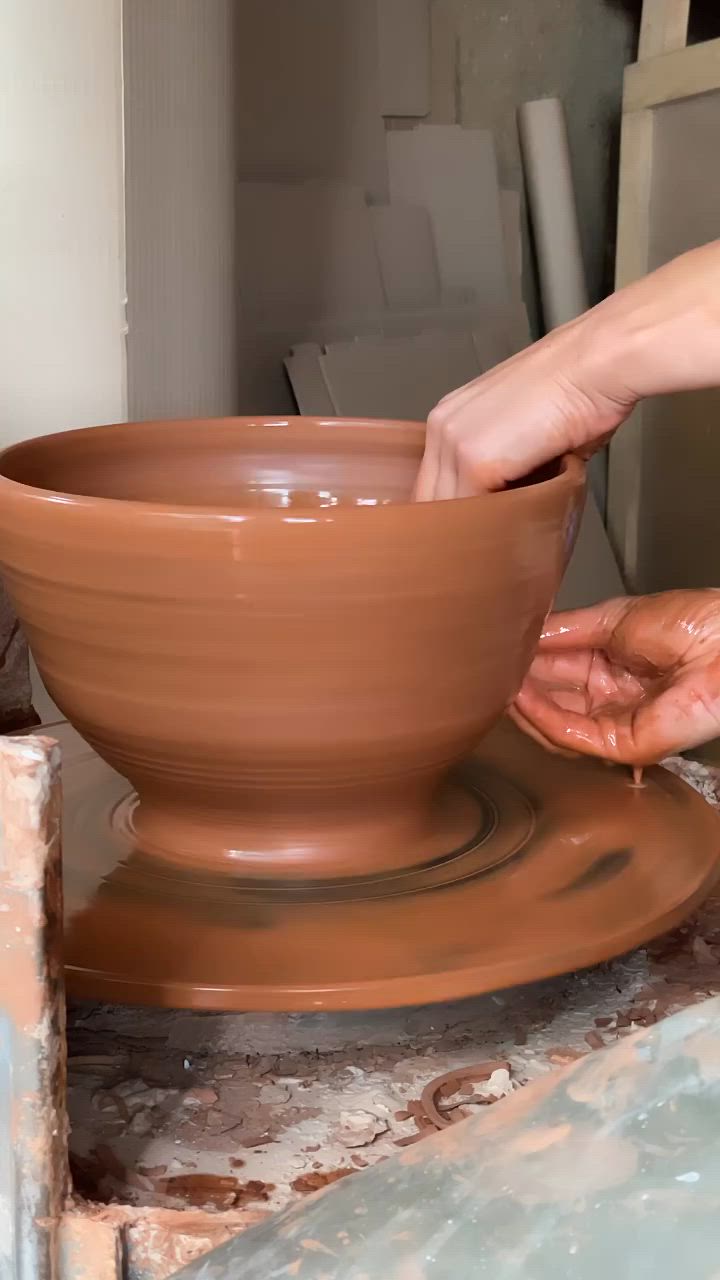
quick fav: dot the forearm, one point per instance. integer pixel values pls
(658, 335)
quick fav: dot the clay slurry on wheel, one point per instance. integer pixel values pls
(605, 867)
(555, 892)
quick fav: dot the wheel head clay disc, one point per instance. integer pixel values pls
(574, 864)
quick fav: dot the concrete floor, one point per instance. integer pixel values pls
(186, 1094)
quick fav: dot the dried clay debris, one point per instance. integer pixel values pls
(445, 1099)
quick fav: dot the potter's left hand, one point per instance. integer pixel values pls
(631, 680)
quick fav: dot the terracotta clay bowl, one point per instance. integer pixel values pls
(286, 657)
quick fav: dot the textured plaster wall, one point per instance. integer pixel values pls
(489, 55)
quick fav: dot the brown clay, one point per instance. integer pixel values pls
(252, 623)
(575, 865)
(288, 661)
(451, 1080)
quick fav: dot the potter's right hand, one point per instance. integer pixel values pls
(571, 390)
(631, 680)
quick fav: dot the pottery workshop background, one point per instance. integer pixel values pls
(142, 142)
(63, 214)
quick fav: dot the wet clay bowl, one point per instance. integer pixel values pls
(252, 622)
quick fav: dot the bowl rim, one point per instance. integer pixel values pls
(570, 474)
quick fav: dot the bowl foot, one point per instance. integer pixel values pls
(369, 834)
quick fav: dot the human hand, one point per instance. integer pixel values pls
(571, 390)
(631, 680)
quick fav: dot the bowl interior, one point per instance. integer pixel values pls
(231, 463)
(235, 463)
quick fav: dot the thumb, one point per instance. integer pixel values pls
(590, 628)
(685, 715)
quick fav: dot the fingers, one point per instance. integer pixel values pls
(531, 731)
(440, 471)
(570, 668)
(590, 628)
(571, 730)
(646, 731)
(437, 477)
(447, 477)
(426, 481)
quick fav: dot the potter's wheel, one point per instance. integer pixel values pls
(572, 865)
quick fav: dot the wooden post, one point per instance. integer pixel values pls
(663, 27)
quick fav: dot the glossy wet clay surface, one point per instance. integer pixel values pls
(289, 662)
(284, 655)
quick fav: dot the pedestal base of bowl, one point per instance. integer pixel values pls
(278, 841)
(574, 865)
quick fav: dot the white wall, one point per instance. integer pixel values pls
(62, 273)
(180, 147)
(62, 251)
